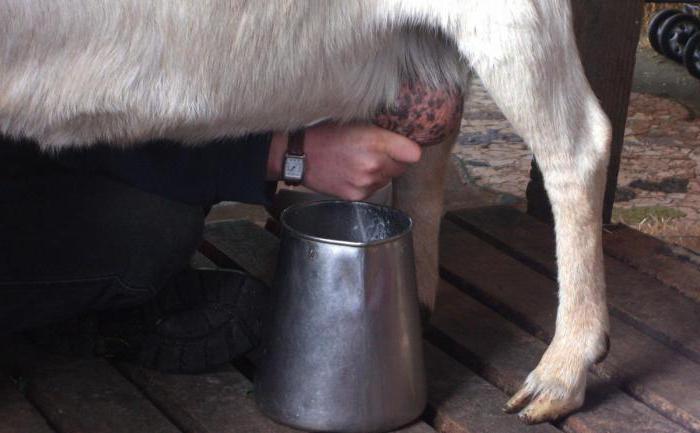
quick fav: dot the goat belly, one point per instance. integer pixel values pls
(424, 114)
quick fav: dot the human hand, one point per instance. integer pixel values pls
(349, 161)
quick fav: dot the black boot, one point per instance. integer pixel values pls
(201, 320)
(204, 318)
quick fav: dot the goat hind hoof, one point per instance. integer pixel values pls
(542, 401)
(535, 409)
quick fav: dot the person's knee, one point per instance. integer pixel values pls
(161, 246)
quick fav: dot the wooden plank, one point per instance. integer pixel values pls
(86, 395)
(645, 368)
(462, 402)
(639, 300)
(199, 261)
(253, 248)
(607, 33)
(459, 400)
(17, 415)
(674, 266)
(220, 402)
(504, 354)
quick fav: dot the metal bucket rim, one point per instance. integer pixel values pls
(287, 228)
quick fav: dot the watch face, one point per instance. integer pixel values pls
(293, 168)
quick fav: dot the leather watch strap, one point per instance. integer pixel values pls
(295, 144)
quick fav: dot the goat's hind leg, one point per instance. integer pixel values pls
(420, 193)
(527, 58)
(431, 117)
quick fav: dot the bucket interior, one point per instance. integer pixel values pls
(346, 222)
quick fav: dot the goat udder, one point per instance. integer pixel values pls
(426, 115)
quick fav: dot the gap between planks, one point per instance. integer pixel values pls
(672, 265)
(637, 299)
(18, 415)
(643, 367)
(84, 394)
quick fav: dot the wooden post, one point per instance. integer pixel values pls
(607, 33)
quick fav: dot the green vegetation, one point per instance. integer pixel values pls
(637, 215)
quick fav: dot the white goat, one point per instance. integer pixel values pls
(73, 72)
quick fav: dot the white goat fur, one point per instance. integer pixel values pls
(74, 72)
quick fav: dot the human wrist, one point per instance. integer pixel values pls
(278, 146)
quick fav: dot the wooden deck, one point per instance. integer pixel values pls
(495, 313)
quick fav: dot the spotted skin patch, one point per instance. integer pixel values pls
(425, 115)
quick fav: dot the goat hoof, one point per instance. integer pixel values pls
(554, 389)
(538, 406)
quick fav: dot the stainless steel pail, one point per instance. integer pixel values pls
(342, 346)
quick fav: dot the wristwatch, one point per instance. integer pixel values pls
(293, 166)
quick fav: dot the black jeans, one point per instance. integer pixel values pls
(72, 242)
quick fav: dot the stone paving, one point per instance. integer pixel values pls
(660, 162)
(489, 154)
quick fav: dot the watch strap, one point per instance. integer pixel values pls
(295, 143)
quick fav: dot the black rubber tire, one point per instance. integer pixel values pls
(691, 55)
(674, 34)
(655, 23)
